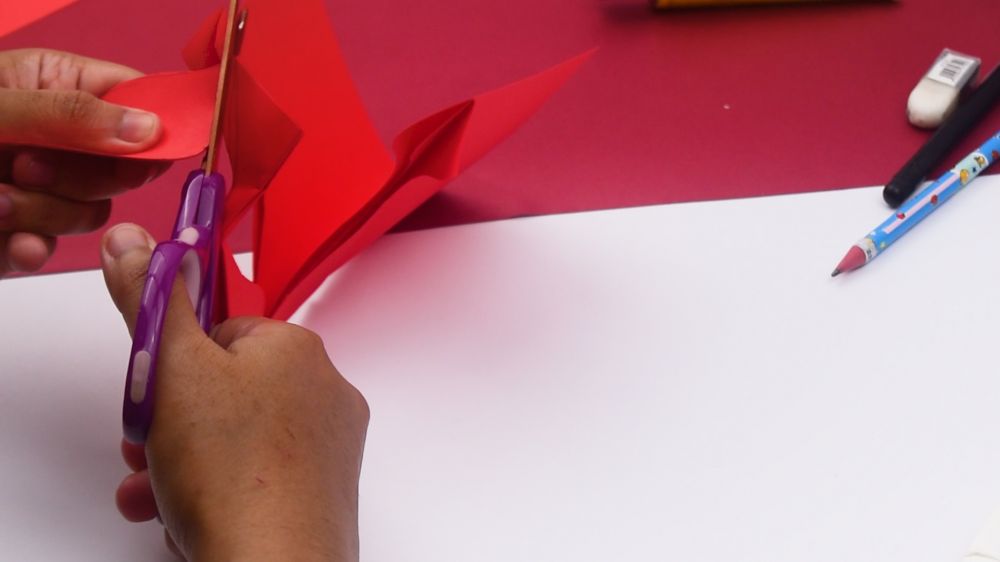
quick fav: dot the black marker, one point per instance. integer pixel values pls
(905, 182)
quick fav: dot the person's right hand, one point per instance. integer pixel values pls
(255, 451)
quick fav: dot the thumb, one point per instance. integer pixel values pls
(74, 120)
(125, 254)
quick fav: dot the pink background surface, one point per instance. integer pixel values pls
(16, 14)
(681, 106)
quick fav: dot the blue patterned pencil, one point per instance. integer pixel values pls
(921, 205)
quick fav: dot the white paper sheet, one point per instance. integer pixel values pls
(681, 383)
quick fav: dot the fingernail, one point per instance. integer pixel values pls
(124, 239)
(137, 126)
(35, 171)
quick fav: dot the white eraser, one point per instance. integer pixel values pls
(937, 93)
(986, 547)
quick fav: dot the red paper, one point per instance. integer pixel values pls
(240, 296)
(429, 154)
(15, 14)
(337, 190)
(304, 151)
(259, 134)
(260, 139)
(205, 48)
(184, 101)
(679, 106)
(339, 162)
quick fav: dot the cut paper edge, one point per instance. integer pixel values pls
(184, 101)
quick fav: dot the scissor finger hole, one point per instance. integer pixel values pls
(191, 271)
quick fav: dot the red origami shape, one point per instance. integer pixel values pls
(306, 158)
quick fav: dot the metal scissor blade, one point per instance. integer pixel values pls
(235, 24)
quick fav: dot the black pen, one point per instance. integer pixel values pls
(953, 130)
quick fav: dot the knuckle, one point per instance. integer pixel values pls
(135, 275)
(302, 338)
(362, 410)
(313, 341)
(76, 107)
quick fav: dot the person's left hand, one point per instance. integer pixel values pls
(50, 98)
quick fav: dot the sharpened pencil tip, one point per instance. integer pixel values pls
(835, 273)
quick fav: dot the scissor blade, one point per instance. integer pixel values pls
(232, 28)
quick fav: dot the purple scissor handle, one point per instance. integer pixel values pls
(194, 252)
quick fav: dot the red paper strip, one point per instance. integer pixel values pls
(15, 14)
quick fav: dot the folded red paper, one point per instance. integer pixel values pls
(428, 155)
(687, 106)
(304, 153)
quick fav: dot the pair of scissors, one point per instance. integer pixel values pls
(193, 251)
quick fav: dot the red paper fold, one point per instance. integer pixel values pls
(305, 153)
(338, 191)
(429, 154)
(260, 137)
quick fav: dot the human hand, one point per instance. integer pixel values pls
(255, 450)
(49, 98)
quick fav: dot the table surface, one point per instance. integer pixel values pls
(680, 382)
